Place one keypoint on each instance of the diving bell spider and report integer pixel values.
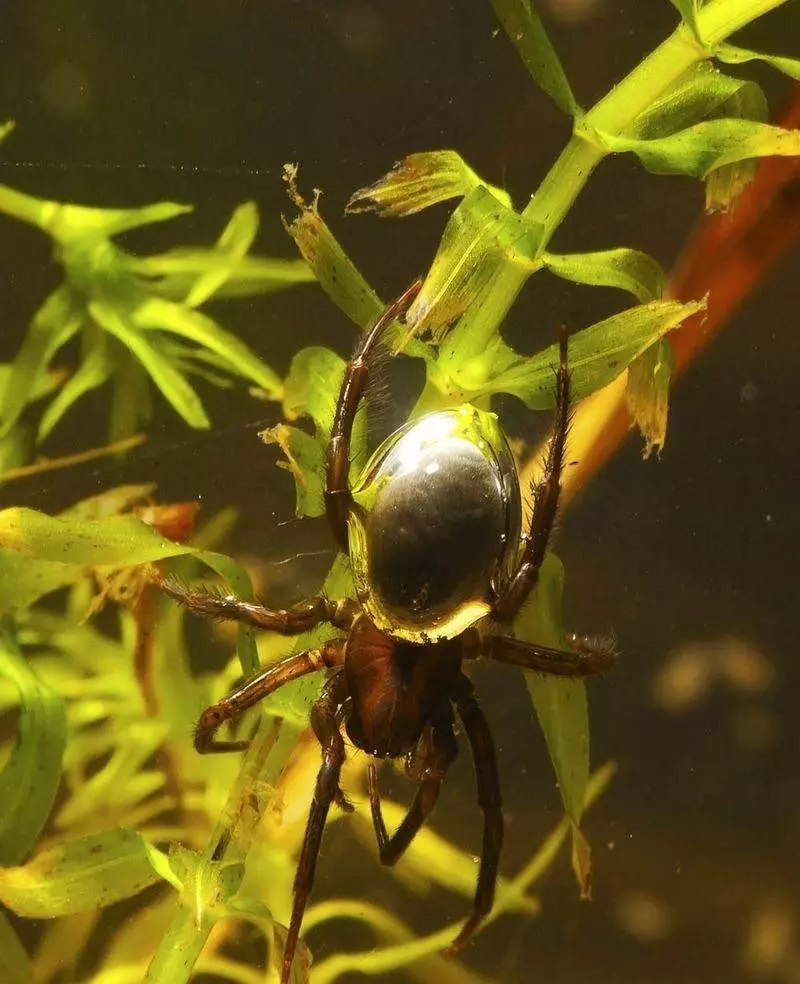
(433, 532)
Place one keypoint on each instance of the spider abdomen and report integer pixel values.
(436, 525)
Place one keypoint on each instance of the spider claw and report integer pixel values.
(465, 935)
(343, 802)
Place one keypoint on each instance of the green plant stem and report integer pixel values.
(554, 197)
(188, 931)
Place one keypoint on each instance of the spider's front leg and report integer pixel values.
(330, 654)
(300, 617)
(546, 494)
(338, 500)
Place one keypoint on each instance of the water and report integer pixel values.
(691, 559)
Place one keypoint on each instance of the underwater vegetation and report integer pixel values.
(104, 799)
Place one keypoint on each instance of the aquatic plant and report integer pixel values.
(103, 796)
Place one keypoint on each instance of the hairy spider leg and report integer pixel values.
(429, 763)
(588, 658)
(330, 654)
(490, 801)
(325, 724)
(545, 502)
(338, 500)
(300, 617)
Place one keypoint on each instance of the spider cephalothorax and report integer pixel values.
(432, 528)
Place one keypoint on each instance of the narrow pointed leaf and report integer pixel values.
(733, 55)
(86, 873)
(30, 778)
(119, 541)
(172, 384)
(698, 93)
(68, 223)
(522, 24)
(560, 706)
(627, 269)
(92, 373)
(51, 325)
(155, 313)
(171, 275)
(235, 241)
(707, 146)
(481, 237)
(336, 273)
(597, 354)
(419, 181)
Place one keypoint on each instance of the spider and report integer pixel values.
(441, 569)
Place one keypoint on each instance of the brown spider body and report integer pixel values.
(432, 529)
(395, 688)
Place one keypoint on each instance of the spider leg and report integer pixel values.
(546, 496)
(589, 657)
(325, 723)
(429, 763)
(300, 617)
(490, 800)
(338, 500)
(331, 653)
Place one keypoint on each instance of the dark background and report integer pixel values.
(202, 102)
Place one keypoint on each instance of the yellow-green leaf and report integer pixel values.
(419, 181)
(29, 780)
(85, 873)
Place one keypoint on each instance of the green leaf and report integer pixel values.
(733, 55)
(312, 387)
(707, 146)
(698, 93)
(171, 383)
(305, 461)
(333, 268)
(119, 541)
(419, 181)
(480, 238)
(85, 873)
(30, 778)
(15, 967)
(155, 313)
(233, 244)
(92, 373)
(647, 394)
(55, 320)
(522, 24)
(627, 269)
(24, 580)
(597, 354)
(560, 703)
(173, 274)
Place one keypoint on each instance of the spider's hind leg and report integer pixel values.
(546, 494)
(428, 764)
(325, 723)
